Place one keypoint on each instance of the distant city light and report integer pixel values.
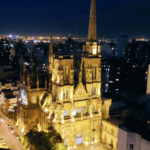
(10, 36)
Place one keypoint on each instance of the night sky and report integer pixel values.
(63, 17)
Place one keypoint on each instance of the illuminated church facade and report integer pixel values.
(75, 109)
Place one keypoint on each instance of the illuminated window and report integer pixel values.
(74, 112)
(79, 111)
(94, 50)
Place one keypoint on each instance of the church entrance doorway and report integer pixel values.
(79, 139)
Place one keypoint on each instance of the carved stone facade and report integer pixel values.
(76, 110)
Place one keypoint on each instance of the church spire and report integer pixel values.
(80, 73)
(51, 46)
(51, 54)
(92, 32)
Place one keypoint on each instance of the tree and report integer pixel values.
(34, 140)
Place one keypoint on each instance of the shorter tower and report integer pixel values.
(148, 81)
(91, 57)
(63, 78)
(51, 55)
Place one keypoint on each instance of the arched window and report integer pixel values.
(66, 73)
(66, 94)
(94, 73)
(93, 91)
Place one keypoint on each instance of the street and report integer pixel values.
(9, 138)
(2, 115)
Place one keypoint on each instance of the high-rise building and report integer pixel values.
(121, 45)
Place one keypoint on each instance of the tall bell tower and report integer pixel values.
(91, 57)
(92, 47)
(51, 56)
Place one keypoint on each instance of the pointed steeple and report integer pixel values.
(80, 73)
(51, 54)
(148, 81)
(92, 32)
(51, 46)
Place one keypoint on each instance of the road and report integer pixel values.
(2, 115)
(9, 133)
(11, 141)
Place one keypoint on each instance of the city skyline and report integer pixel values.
(41, 17)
